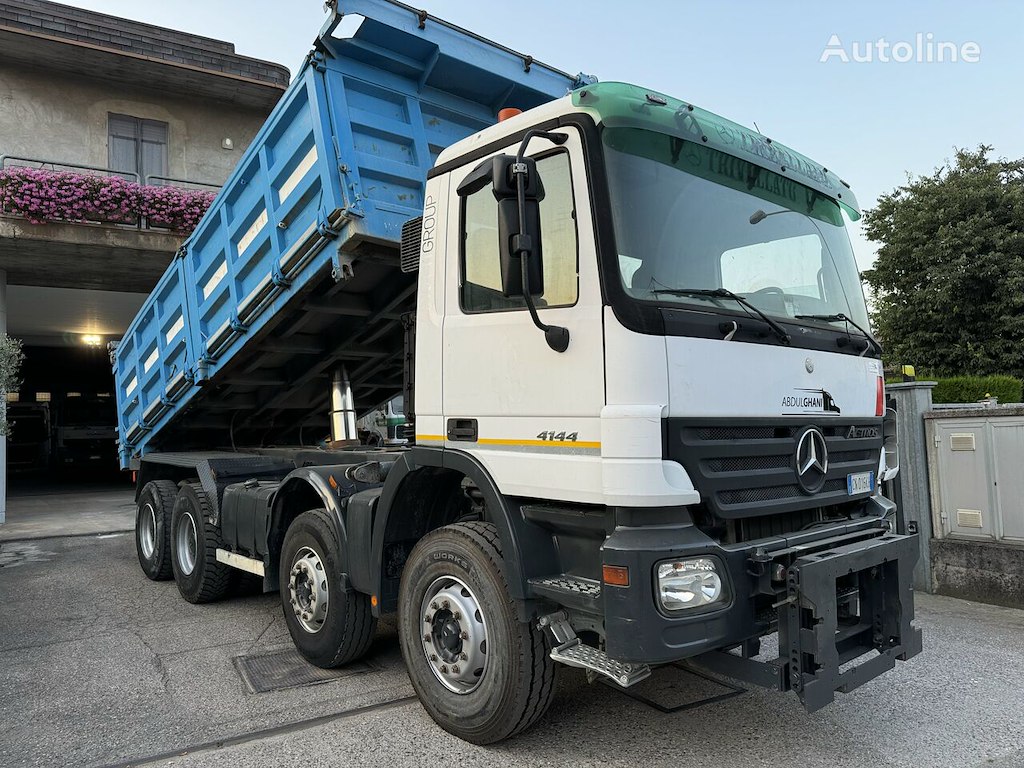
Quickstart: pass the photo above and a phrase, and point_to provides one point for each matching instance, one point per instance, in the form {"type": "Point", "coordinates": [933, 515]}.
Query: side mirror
{"type": "Point", "coordinates": [513, 242]}
{"type": "Point", "coordinates": [498, 172]}
{"type": "Point", "coordinates": [517, 188]}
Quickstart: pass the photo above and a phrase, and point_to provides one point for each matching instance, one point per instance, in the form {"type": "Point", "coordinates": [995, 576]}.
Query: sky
{"type": "Point", "coordinates": [752, 61]}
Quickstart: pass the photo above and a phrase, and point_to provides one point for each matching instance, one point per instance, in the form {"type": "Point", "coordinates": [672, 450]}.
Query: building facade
{"type": "Point", "coordinates": [94, 106]}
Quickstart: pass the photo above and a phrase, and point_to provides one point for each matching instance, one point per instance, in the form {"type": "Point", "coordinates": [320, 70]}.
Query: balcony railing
{"type": "Point", "coordinates": [165, 181]}
{"type": "Point", "coordinates": [43, 191]}
{"type": "Point", "coordinates": [10, 161]}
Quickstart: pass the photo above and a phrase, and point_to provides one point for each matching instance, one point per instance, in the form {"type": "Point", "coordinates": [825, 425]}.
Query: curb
{"type": "Point", "coordinates": [65, 536]}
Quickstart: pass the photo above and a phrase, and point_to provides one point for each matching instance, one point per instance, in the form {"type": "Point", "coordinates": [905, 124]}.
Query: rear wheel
{"type": "Point", "coordinates": [479, 672]}
{"type": "Point", "coordinates": [153, 528]}
{"type": "Point", "coordinates": [329, 625]}
{"type": "Point", "coordinates": [194, 543]}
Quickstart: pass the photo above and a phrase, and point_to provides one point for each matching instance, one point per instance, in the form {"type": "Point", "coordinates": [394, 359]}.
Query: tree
{"type": "Point", "coordinates": [948, 283]}
{"type": "Point", "coordinates": [11, 358]}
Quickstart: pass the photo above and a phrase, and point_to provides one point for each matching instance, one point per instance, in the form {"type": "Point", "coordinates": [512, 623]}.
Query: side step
{"type": "Point", "coordinates": [241, 562]}
{"type": "Point", "coordinates": [569, 591]}
{"type": "Point", "coordinates": [588, 657]}
{"type": "Point", "coordinates": [572, 652]}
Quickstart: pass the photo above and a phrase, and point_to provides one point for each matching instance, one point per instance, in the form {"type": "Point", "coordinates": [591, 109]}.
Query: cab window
{"type": "Point", "coordinates": [480, 290]}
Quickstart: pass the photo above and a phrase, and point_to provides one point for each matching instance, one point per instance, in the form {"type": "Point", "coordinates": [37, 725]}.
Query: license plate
{"type": "Point", "coordinates": [860, 482]}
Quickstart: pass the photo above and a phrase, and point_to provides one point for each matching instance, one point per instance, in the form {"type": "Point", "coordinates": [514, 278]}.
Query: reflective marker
{"type": "Point", "coordinates": [616, 575]}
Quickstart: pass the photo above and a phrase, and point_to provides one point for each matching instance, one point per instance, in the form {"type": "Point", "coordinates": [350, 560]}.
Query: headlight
{"type": "Point", "coordinates": [684, 584]}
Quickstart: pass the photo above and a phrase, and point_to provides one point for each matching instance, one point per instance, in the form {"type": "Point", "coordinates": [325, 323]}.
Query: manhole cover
{"type": "Point", "coordinates": [673, 688]}
{"type": "Point", "coordinates": [276, 671]}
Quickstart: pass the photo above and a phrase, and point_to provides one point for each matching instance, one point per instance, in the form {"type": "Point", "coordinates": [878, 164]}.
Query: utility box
{"type": "Point", "coordinates": [977, 482]}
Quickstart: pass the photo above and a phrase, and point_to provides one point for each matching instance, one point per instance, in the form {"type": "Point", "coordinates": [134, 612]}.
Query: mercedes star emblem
{"type": "Point", "coordinates": [811, 460]}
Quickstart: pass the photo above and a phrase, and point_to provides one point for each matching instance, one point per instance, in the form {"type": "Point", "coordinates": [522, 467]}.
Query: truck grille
{"type": "Point", "coordinates": [767, 526]}
{"type": "Point", "coordinates": [774, 492]}
{"type": "Point", "coordinates": [748, 469]}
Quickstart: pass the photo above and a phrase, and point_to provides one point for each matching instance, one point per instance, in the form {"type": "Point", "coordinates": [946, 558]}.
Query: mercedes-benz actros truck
{"type": "Point", "coordinates": [647, 418]}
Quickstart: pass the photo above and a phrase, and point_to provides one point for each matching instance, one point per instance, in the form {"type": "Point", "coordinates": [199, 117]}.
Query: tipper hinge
{"type": "Point", "coordinates": [342, 266]}
{"type": "Point", "coordinates": [317, 60]}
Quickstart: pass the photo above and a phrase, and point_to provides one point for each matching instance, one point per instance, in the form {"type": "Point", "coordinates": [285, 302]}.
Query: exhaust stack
{"type": "Point", "coordinates": [343, 411]}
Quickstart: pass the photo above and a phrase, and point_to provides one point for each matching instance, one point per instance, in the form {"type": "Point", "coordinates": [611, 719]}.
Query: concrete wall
{"type": "Point", "coordinates": [985, 572]}
{"type": "Point", "coordinates": [53, 116]}
{"type": "Point", "coordinates": [913, 400]}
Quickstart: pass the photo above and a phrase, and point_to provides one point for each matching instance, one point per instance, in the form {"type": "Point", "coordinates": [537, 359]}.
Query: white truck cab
{"type": "Point", "coordinates": [631, 235]}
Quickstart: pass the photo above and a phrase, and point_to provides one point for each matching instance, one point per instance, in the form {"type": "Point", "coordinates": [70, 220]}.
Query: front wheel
{"type": "Point", "coordinates": [329, 626]}
{"type": "Point", "coordinates": [480, 673]}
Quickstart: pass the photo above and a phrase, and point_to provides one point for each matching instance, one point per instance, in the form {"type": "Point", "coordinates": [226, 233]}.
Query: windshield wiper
{"type": "Point", "coordinates": [840, 317]}
{"type": "Point", "coordinates": [724, 293]}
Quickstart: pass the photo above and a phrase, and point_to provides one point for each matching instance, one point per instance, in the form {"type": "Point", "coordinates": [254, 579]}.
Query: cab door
{"type": "Point", "coordinates": [529, 414]}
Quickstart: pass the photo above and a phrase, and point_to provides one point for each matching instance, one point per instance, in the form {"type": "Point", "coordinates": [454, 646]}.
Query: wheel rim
{"type": "Point", "coordinates": [454, 635]}
{"type": "Point", "coordinates": [147, 530]}
{"type": "Point", "coordinates": [307, 588]}
{"type": "Point", "coordinates": [186, 543]}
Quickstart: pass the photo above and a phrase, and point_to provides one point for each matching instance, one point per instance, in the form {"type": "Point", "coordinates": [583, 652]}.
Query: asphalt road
{"type": "Point", "coordinates": [99, 666]}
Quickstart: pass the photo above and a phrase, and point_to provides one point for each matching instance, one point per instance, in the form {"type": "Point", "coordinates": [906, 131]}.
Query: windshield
{"type": "Point", "coordinates": [690, 217]}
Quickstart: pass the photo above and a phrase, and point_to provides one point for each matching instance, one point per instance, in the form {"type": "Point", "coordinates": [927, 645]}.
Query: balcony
{"type": "Point", "coordinates": [75, 226]}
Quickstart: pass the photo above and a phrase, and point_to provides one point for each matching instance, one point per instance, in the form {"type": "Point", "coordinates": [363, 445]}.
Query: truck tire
{"type": "Point", "coordinates": [482, 674]}
{"type": "Point", "coordinates": [153, 528]}
{"type": "Point", "coordinates": [194, 543]}
{"type": "Point", "coordinates": [329, 625]}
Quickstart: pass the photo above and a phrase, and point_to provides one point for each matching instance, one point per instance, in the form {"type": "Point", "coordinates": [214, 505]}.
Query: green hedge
{"type": "Point", "coordinates": [970, 389]}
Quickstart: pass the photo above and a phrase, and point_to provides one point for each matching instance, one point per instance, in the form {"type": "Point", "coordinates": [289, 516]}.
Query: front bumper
{"type": "Point", "coordinates": [846, 595]}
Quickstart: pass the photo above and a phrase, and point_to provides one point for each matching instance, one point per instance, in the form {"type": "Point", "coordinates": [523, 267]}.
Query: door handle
{"type": "Point", "coordinates": [464, 430]}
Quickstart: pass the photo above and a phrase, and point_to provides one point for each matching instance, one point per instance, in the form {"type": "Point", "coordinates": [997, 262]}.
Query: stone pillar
{"type": "Point", "coordinates": [913, 400]}
{"type": "Point", "coordinates": [3, 404]}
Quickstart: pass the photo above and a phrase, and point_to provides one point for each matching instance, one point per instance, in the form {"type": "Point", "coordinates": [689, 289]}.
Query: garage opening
{"type": "Point", "coordinates": [63, 419]}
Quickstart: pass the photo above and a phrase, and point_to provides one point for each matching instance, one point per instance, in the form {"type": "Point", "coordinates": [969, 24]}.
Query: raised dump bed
{"type": "Point", "coordinates": [294, 269]}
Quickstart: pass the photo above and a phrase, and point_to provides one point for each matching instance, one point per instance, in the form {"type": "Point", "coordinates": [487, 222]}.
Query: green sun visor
{"type": "Point", "coordinates": [619, 105]}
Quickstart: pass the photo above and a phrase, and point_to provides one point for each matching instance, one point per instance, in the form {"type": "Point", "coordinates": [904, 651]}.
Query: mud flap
{"type": "Point", "coordinates": [847, 617]}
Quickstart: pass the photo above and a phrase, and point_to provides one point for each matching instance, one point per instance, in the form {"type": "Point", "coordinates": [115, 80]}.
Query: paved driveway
{"type": "Point", "coordinates": [99, 666]}
{"type": "Point", "coordinates": [41, 510]}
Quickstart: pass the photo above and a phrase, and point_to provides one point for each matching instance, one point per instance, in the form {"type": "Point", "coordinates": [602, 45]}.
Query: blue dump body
{"type": "Point", "coordinates": [235, 344]}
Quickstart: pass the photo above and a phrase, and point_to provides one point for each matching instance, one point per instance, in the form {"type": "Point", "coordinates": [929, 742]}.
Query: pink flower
{"type": "Point", "coordinates": [41, 195]}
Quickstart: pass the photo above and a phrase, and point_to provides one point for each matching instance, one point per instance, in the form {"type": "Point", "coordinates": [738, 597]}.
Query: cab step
{"type": "Point", "coordinates": [573, 652]}
{"type": "Point", "coordinates": [569, 591]}
{"type": "Point", "coordinates": [588, 657]}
